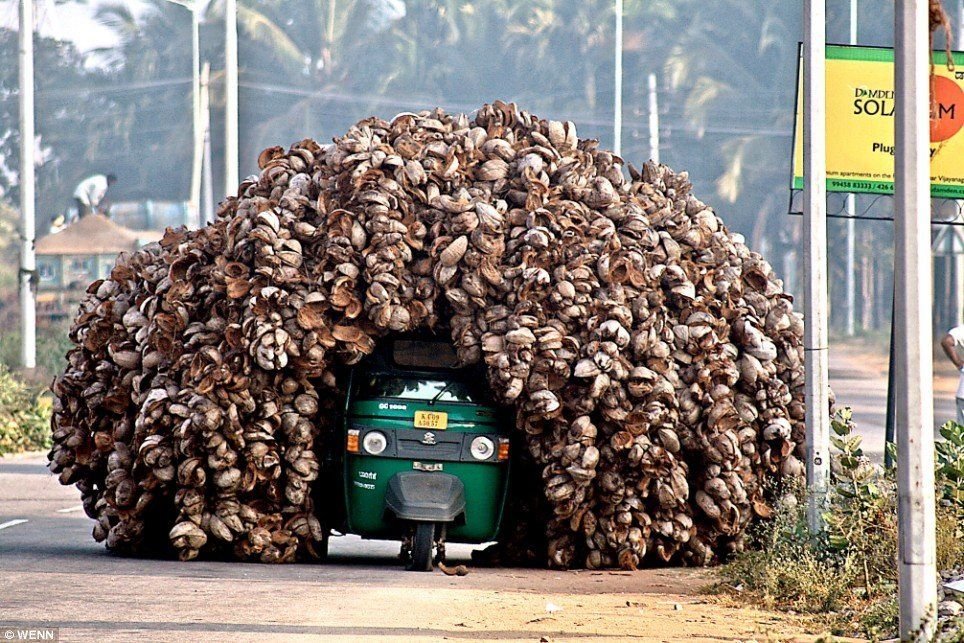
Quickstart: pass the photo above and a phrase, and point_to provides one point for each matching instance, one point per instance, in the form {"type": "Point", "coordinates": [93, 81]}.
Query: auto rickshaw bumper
{"type": "Point", "coordinates": [425, 497]}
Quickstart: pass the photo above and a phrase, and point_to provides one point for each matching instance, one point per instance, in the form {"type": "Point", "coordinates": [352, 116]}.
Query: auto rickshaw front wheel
{"type": "Point", "coordinates": [422, 544]}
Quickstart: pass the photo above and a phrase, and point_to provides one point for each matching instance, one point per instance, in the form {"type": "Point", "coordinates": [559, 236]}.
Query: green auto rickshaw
{"type": "Point", "coordinates": [426, 451]}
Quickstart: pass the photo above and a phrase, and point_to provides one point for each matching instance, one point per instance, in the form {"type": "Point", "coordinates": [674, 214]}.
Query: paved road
{"type": "Point", "coordinates": [860, 382]}
{"type": "Point", "coordinates": [52, 573]}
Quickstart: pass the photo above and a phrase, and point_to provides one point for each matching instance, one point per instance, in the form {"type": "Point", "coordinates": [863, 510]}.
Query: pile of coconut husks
{"type": "Point", "coordinates": [652, 361]}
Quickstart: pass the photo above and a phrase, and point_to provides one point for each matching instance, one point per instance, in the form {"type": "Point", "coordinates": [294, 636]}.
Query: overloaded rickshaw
{"type": "Point", "coordinates": [426, 452]}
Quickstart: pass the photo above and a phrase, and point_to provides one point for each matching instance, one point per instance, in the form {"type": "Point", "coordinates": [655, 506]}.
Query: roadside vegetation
{"type": "Point", "coordinates": [24, 401]}
{"type": "Point", "coordinates": [24, 415]}
{"type": "Point", "coordinates": [846, 577]}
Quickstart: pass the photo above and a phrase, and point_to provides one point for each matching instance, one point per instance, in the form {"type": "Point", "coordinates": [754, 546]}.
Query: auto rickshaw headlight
{"type": "Point", "coordinates": [375, 442]}
{"type": "Point", "coordinates": [482, 448]}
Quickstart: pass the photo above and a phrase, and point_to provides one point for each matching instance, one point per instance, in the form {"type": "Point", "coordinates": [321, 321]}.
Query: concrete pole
{"type": "Point", "coordinates": [912, 318]}
{"type": "Point", "coordinates": [815, 298]}
{"type": "Point", "coordinates": [653, 120]}
{"type": "Point", "coordinates": [207, 207]}
{"type": "Point", "coordinates": [28, 233]}
{"type": "Point", "coordinates": [196, 122]}
{"type": "Point", "coordinates": [851, 285]}
{"type": "Point", "coordinates": [618, 83]}
{"type": "Point", "coordinates": [231, 97]}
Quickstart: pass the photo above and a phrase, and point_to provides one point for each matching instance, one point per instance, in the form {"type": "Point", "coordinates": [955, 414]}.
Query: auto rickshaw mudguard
{"type": "Point", "coordinates": [425, 497]}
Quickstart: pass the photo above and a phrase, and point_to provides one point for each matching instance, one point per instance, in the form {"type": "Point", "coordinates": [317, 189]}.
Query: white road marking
{"type": "Point", "coordinates": [12, 523]}
{"type": "Point", "coordinates": [70, 509]}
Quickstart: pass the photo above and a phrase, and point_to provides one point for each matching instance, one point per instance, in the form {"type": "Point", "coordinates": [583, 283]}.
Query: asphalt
{"type": "Point", "coordinates": [859, 381]}
{"type": "Point", "coordinates": [53, 574]}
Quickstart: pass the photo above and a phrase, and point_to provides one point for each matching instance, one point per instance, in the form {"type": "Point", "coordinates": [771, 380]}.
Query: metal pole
{"type": "Point", "coordinates": [28, 260]}
{"type": "Point", "coordinates": [618, 83]}
{"type": "Point", "coordinates": [851, 285]}
{"type": "Point", "coordinates": [912, 317]}
{"type": "Point", "coordinates": [815, 258]}
{"type": "Point", "coordinates": [653, 120]}
{"type": "Point", "coordinates": [231, 97]}
{"type": "Point", "coordinates": [196, 124]}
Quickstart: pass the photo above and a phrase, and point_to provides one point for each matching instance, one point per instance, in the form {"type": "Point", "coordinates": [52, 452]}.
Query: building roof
{"type": "Point", "coordinates": [93, 235]}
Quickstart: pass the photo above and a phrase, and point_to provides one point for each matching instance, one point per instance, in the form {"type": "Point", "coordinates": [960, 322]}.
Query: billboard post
{"type": "Point", "coordinates": [912, 322]}
{"type": "Point", "coordinates": [815, 296]}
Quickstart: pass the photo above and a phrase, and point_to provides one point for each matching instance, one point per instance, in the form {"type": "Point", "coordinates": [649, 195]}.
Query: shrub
{"type": "Point", "coordinates": [52, 346]}
{"type": "Point", "coordinates": [861, 516]}
{"type": "Point", "coordinates": [949, 477]}
{"type": "Point", "coordinates": [847, 576]}
{"type": "Point", "coordinates": [24, 415]}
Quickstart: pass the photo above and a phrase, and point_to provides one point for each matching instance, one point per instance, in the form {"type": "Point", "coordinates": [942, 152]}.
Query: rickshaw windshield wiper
{"type": "Point", "coordinates": [440, 393]}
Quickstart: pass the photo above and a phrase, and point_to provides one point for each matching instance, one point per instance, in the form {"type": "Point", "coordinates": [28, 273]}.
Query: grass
{"type": "Point", "coordinates": [788, 569]}
{"type": "Point", "coordinates": [845, 578]}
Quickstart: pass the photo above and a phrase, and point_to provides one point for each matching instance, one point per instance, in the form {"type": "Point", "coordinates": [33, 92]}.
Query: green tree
{"type": "Point", "coordinates": [146, 136]}
{"type": "Point", "coordinates": [307, 69]}
{"type": "Point", "coordinates": [740, 81]}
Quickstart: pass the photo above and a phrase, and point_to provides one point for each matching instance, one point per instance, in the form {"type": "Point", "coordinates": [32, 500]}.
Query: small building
{"type": "Point", "coordinates": [82, 252]}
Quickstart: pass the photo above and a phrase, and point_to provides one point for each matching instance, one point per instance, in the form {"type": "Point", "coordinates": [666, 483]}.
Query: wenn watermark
{"type": "Point", "coordinates": [28, 633]}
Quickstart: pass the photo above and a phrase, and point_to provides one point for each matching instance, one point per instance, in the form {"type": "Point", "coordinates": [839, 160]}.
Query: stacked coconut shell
{"type": "Point", "coordinates": [653, 361]}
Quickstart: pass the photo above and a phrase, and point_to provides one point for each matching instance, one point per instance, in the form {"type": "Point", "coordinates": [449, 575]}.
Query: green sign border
{"type": "Point", "coordinates": [858, 186]}
{"type": "Point", "coordinates": [883, 54]}
{"type": "Point", "coordinates": [852, 186]}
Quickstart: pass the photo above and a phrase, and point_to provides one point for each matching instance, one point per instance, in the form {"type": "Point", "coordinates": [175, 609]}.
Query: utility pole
{"type": "Point", "coordinates": [28, 233]}
{"type": "Point", "coordinates": [815, 337]}
{"type": "Point", "coordinates": [851, 285]}
{"type": "Point", "coordinates": [912, 316]}
{"type": "Point", "coordinates": [207, 201]}
{"type": "Point", "coordinates": [653, 120]}
{"type": "Point", "coordinates": [618, 83]}
{"type": "Point", "coordinates": [231, 97]}
{"type": "Point", "coordinates": [196, 122]}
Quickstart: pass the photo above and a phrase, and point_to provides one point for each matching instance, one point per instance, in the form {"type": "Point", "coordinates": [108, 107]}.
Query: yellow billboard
{"type": "Point", "coordinates": [860, 123]}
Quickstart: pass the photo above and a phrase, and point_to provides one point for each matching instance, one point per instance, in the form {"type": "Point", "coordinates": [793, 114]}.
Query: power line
{"type": "Point", "coordinates": [148, 84]}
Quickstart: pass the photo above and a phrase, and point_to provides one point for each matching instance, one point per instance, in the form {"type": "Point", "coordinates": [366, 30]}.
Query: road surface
{"type": "Point", "coordinates": [55, 575]}
{"type": "Point", "coordinates": [858, 377]}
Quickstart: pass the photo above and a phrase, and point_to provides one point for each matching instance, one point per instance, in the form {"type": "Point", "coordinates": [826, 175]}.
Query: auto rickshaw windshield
{"type": "Point", "coordinates": [421, 389]}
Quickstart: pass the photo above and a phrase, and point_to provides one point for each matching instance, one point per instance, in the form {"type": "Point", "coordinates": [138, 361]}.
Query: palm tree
{"type": "Point", "coordinates": [307, 69]}
{"type": "Point", "coordinates": [146, 140]}
{"type": "Point", "coordinates": [741, 80]}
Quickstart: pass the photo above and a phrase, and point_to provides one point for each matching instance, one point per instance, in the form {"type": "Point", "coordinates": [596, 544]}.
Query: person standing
{"type": "Point", "coordinates": [89, 195]}
{"type": "Point", "coordinates": [952, 342]}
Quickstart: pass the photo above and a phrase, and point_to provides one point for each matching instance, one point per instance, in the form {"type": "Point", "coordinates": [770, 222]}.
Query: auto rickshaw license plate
{"type": "Point", "coordinates": [431, 420]}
